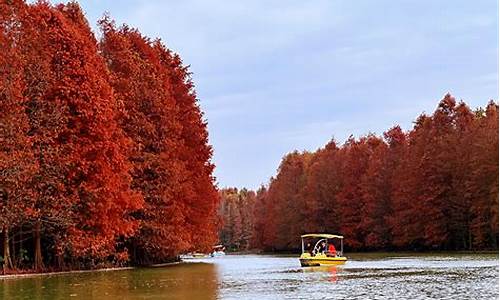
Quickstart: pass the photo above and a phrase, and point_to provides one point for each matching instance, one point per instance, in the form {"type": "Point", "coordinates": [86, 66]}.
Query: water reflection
{"type": "Point", "coordinates": [330, 271]}
{"type": "Point", "coordinates": [193, 281]}
{"type": "Point", "coordinates": [263, 277]}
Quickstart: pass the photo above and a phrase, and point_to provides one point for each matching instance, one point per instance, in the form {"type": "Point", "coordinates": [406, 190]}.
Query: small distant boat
{"type": "Point", "coordinates": [199, 255]}
{"type": "Point", "coordinates": [218, 251]}
{"type": "Point", "coordinates": [193, 255]}
{"type": "Point", "coordinates": [321, 254]}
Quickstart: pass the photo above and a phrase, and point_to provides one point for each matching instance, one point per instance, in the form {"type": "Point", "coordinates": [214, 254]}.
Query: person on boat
{"type": "Point", "coordinates": [331, 250]}
{"type": "Point", "coordinates": [310, 249]}
{"type": "Point", "coordinates": [323, 247]}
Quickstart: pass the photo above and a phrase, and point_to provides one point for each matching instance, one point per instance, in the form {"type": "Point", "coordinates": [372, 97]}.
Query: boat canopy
{"type": "Point", "coordinates": [322, 235]}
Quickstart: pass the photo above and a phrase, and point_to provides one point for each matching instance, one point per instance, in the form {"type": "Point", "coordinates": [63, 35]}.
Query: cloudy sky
{"type": "Point", "coordinates": [274, 76]}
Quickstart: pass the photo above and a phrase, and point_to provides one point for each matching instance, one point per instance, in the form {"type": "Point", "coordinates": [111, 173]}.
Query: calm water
{"type": "Point", "coordinates": [366, 276]}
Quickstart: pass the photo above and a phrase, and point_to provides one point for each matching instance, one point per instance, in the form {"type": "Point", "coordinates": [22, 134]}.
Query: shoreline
{"type": "Point", "coordinates": [113, 269]}
{"type": "Point", "coordinates": [161, 265]}
{"type": "Point", "coordinates": [392, 253]}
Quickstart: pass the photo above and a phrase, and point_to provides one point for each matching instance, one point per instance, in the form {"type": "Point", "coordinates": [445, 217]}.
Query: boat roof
{"type": "Point", "coordinates": [322, 235]}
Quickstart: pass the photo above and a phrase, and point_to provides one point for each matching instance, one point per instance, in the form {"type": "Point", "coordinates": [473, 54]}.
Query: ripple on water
{"type": "Point", "coordinates": [387, 278]}
{"type": "Point", "coordinates": [365, 276]}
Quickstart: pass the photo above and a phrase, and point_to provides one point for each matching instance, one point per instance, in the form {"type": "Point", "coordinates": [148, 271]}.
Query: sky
{"type": "Point", "coordinates": [277, 76]}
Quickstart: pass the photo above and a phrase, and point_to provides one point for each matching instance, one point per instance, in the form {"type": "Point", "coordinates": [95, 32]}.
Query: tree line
{"type": "Point", "coordinates": [104, 154]}
{"type": "Point", "coordinates": [434, 187]}
{"type": "Point", "coordinates": [237, 218]}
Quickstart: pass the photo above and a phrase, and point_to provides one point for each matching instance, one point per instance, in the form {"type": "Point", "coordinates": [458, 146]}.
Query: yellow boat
{"type": "Point", "coordinates": [318, 255]}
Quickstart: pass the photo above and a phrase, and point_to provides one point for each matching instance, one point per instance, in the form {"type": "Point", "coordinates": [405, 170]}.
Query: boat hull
{"type": "Point", "coordinates": [322, 261]}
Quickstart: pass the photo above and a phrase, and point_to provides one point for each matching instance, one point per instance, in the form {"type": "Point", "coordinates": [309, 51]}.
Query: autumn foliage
{"type": "Point", "coordinates": [238, 218]}
{"type": "Point", "coordinates": [104, 153]}
{"type": "Point", "coordinates": [434, 187]}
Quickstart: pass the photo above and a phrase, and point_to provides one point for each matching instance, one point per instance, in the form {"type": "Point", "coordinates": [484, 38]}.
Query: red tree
{"type": "Point", "coordinates": [83, 182]}
{"type": "Point", "coordinates": [288, 204]}
{"type": "Point", "coordinates": [101, 175]}
{"type": "Point", "coordinates": [259, 214]}
{"type": "Point", "coordinates": [321, 192]}
{"type": "Point", "coordinates": [17, 163]}
{"type": "Point", "coordinates": [354, 156]}
{"type": "Point", "coordinates": [142, 85]}
{"type": "Point", "coordinates": [435, 187]}
{"type": "Point", "coordinates": [199, 190]}
{"type": "Point", "coordinates": [375, 187]}
{"type": "Point", "coordinates": [171, 155]}
{"type": "Point", "coordinates": [483, 185]}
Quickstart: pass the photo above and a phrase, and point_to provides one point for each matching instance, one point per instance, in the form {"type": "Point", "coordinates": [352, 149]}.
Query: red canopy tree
{"type": "Point", "coordinates": [399, 184]}
{"type": "Point", "coordinates": [171, 155]}
{"type": "Point", "coordinates": [71, 148]}
{"type": "Point", "coordinates": [17, 164]}
{"type": "Point", "coordinates": [435, 187]}
{"type": "Point", "coordinates": [199, 191]}
{"type": "Point", "coordinates": [436, 175]}
{"type": "Point", "coordinates": [101, 176]}
{"type": "Point", "coordinates": [231, 230]}
{"type": "Point", "coordinates": [47, 119]}
{"type": "Point", "coordinates": [289, 206]}
{"type": "Point", "coordinates": [461, 151]}
{"type": "Point", "coordinates": [83, 182]}
{"type": "Point", "coordinates": [375, 187]}
{"type": "Point", "coordinates": [236, 211]}
{"type": "Point", "coordinates": [354, 156]}
{"type": "Point", "coordinates": [259, 214]}
{"type": "Point", "coordinates": [321, 192]}
{"type": "Point", "coordinates": [483, 186]}
{"type": "Point", "coordinates": [407, 189]}
{"type": "Point", "coordinates": [142, 85]}
{"type": "Point", "coordinates": [247, 203]}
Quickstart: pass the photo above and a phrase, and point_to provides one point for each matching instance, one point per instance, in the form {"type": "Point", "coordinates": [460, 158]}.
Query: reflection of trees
{"type": "Point", "coordinates": [184, 281]}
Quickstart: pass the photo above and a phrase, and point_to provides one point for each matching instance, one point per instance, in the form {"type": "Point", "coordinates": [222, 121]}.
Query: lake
{"type": "Point", "coordinates": [365, 276]}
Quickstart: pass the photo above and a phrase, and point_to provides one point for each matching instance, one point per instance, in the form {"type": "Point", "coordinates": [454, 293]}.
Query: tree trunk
{"type": "Point", "coordinates": [38, 247]}
{"type": "Point", "coordinates": [7, 261]}
{"type": "Point", "coordinates": [469, 231]}
{"type": "Point", "coordinates": [13, 257]}
{"type": "Point", "coordinates": [134, 252]}
{"type": "Point", "coordinates": [59, 254]}
{"type": "Point", "coordinates": [21, 250]}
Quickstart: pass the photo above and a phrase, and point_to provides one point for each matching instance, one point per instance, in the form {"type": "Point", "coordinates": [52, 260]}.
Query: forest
{"type": "Point", "coordinates": [104, 153]}
{"type": "Point", "coordinates": [105, 161]}
{"type": "Point", "coordinates": [434, 187]}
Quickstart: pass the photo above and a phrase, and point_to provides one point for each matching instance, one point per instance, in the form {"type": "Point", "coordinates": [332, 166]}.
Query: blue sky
{"type": "Point", "coordinates": [274, 76]}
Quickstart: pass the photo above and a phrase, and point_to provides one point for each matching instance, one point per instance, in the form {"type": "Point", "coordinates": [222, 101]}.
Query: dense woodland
{"type": "Point", "coordinates": [434, 187]}
{"type": "Point", "coordinates": [105, 161]}
{"type": "Point", "coordinates": [104, 157]}
{"type": "Point", "coordinates": [237, 218]}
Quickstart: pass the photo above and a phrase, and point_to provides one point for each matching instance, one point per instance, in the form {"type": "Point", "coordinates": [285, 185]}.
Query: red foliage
{"type": "Point", "coordinates": [236, 210]}
{"type": "Point", "coordinates": [286, 205]}
{"type": "Point", "coordinates": [83, 179]}
{"type": "Point", "coordinates": [435, 187]}
{"type": "Point", "coordinates": [199, 193]}
{"type": "Point", "coordinates": [16, 158]}
{"type": "Point", "coordinates": [17, 164]}
{"type": "Point", "coordinates": [101, 149]}
{"type": "Point", "coordinates": [170, 155]}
